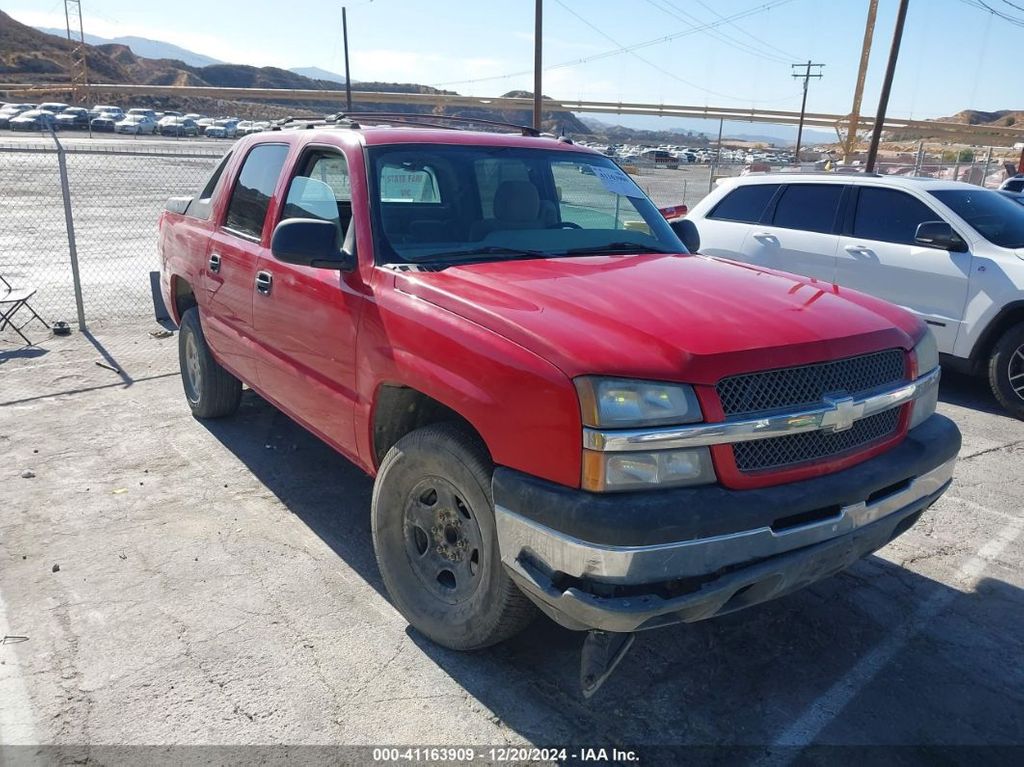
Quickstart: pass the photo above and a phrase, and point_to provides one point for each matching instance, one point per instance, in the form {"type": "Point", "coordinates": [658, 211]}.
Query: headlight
{"type": "Point", "coordinates": [926, 353]}
{"type": "Point", "coordinates": [618, 403]}
{"type": "Point", "coordinates": [610, 472]}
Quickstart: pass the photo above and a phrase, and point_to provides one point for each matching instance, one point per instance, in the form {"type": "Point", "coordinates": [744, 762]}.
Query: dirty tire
{"type": "Point", "coordinates": [1006, 370]}
{"type": "Point", "coordinates": [211, 391]}
{"type": "Point", "coordinates": [436, 544]}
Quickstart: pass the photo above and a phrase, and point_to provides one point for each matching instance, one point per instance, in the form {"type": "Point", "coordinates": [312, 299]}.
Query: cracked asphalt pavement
{"type": "Point", "coordinates": [166, 581]}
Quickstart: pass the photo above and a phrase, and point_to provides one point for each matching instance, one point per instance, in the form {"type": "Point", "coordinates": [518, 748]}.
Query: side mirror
{"type": "Point", "coordinates": [939, 234]}
{"type": "Point", "coordinates": [687, 232]}
{"type": "Point", "coordinates": [310, 242]}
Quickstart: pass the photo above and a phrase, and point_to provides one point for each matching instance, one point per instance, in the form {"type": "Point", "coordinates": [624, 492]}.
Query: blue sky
{"type": "Point", "coordinates": [955, 55]}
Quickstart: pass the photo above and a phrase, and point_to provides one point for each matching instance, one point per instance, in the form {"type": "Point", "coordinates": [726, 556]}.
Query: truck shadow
{"type": "Point", "coordinates": [970, 392]}
{"type": "Point", "coordinates": [878, 654]}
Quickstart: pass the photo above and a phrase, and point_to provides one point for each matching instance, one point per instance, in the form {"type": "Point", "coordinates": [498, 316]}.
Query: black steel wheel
{"type": "Point", "coordinates": [435, 540]}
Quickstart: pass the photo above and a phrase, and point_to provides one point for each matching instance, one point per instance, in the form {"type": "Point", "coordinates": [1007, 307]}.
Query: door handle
{"type": "Point", "coordinates": [215, 263]}
{"type": "Point", "coordinates": [858, 250]}
{"type": "Point", "coordinates": [264, 282]}
{"type": "Point", "coordinates": [765, 236]}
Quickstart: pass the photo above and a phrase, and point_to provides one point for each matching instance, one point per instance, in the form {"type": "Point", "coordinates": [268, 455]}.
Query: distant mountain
{"type": "Point", "coordinates": [149, 49]}
{"type": "Point", "coordinates": [316, 73]}
{"type": "Point", "coordinates": [1004, 118]}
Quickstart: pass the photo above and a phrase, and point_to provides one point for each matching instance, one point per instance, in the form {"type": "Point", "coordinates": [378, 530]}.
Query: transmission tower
{"type": "Point", "coordinates": [76, 36]}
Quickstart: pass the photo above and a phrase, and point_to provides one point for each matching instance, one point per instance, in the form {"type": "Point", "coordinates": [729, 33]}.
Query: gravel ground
{"type": "Point", "coordinates": [217, 585]}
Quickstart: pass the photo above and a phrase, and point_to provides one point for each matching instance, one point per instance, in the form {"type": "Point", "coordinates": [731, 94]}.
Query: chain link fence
{"type": "Point", "coordinates": [115, 190]}
{"type": "Point", "coordinates": [95, 208]}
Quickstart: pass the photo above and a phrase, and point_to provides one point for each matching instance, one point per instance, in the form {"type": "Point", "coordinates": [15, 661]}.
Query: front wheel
{"type": "Point", "coordinates": [436, 544]}
{"type": "Point", "coordinates": [1006, 370]}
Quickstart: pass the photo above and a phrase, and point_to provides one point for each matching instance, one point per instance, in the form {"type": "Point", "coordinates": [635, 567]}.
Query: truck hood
{"type": "Point", "coordinates": [668, 317]}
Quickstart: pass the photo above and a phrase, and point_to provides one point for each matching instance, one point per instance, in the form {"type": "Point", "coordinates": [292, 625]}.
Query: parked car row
{"type": "Point", "coordinates": [105, 118]}
{"type": "Point", "coordinates": [673, 155]}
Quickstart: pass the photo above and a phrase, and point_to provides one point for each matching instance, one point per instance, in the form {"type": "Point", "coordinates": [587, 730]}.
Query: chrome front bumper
{"type": "Point", "coordinates": [623, 562]}
{"type": "Point", "coordinates": [519, 537]}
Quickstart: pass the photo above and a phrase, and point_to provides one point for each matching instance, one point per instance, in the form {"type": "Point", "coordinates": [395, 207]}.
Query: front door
{"type": "Point", "coordinates": [879, 256]}
{"type": "Point", "coordinates": [305, 318]}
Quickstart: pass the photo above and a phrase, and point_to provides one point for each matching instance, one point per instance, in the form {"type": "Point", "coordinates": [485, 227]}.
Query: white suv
{"type": "Point", "coordinates": [951, 253]}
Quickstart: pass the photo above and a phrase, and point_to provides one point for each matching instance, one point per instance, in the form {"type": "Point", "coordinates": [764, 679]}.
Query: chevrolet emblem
{"type": "Point", "coordinates": [843, 413]}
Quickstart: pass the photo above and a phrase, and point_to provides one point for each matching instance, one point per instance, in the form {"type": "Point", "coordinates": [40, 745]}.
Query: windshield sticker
{"type": "Point", "coordinates": [616, 181]}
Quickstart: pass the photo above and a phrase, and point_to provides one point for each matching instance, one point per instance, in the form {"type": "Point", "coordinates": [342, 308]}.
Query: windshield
{"type": "Point", "coordinates": [996, 218]}
{"type": "Point", "coordinates": [453, 204]}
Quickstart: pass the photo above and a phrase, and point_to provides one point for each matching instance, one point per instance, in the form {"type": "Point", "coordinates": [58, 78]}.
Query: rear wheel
{"type": "Point", "coordinates": [211, 391]}
{"type": "Point", "coordinates": [1006, 370]}
{"type": "Point", "coordinates": [436, 544]}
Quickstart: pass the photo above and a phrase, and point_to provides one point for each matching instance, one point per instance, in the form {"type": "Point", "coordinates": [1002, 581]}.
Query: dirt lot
{"type": "Point", "coordinates": [216, 584]}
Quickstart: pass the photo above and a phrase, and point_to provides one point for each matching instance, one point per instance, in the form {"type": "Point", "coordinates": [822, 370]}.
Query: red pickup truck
{"type": "Point", "coordinates": [562, 406]}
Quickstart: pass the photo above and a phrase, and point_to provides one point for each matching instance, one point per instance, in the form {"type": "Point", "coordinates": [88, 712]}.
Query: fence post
{"type": "Point", "coordinates": [984, 173]}
{"type": "Point", "coordinates": [920, 157]}
{"type": "Point", "coordinates": [69, 222]}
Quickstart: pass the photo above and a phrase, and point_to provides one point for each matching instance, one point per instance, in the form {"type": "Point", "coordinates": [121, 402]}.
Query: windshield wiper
{"type": "Point", "coordinates": [618, 247]}
{"type": "Point", "coordinates": [487, 250]}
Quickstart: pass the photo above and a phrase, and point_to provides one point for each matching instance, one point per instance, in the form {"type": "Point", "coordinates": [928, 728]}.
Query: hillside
{"type": "Point", "coordinates": [1004, 118]}
{"type": "Point", "coordinates": [29, 55]}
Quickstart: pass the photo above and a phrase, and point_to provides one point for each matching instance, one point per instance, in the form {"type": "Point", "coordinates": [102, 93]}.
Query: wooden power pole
{"type": "Point", "coordinates": [858, 92]}
{"type": "Point", "coordinates": [883, 99]}
{"type": "Point", "coordinates": [806, 75]}
{"type": "Point", "coordinates": [538, 48]}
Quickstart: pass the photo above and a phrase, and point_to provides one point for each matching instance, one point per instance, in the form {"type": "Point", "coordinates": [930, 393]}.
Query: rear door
{"type": "Point", "coordinates": [306, 318]}
{"type": "Point", "coordinates": [800, 231]}
{"type": "Point", "coordinates": [878, 255]}
{"type": "Point", "coordinates": [724, 228]}
{"type": "Point", "coordinates": [232, 259]}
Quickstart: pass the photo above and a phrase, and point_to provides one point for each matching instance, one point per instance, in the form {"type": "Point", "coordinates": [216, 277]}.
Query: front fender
{"type": "Point", "coordinates": [524, 408]}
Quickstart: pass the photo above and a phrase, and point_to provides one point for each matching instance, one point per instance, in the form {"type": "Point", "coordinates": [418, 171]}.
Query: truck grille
{"type": "Point", "coordinates": [806, 386]}
{"type": "Point", "coordinates": [777, 452]}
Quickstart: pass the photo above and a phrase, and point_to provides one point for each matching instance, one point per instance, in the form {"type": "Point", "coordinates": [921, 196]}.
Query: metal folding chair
{"type": "Point", "coordinates": [13, 300]}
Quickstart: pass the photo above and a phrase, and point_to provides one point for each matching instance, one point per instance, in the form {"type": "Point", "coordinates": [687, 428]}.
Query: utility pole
{"type": "Point", "coordinates": [348, 80]}
{"type": "Point", "coordinates": [79, 66]}
{"type": "Point", "coordinates": [883, 99]}
{"type": "Point", "coordinates": [806, 75]}
{"type": "Point", "coordinates": [537, 49]}
{"type": "Point", "coordinates": [858, 92]}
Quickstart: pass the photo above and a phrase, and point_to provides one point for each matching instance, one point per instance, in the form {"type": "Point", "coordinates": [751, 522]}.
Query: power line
{"type": "Point", "coordinates": [738, 28]}
{"type": "Point", "coordinates": [627, 49]}
{"type": "Point", "coordinates": [636, 55]}
{"type": "Point", "coordinates": [981, 5]}
{"type": "Point", "coordinates": [673, 10]}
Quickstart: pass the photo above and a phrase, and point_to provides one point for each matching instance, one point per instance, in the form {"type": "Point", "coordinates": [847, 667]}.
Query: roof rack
{"type": "Point", "coordinates": [354, 120]}
{"type": "Point", "coordinates": [430, 121]}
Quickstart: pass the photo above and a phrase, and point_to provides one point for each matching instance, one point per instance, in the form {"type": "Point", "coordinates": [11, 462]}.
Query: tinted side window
{"type": "Point", "coordinates": [254, 188]}
{"type": "Point", "coordinates": [810, 207]}
{"type": "Point", "coordinates": [745, 204]}
{"type": "Point", "coordinates": [889, 216]}
{"type": "Point", "coordinates": [201, 206]}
